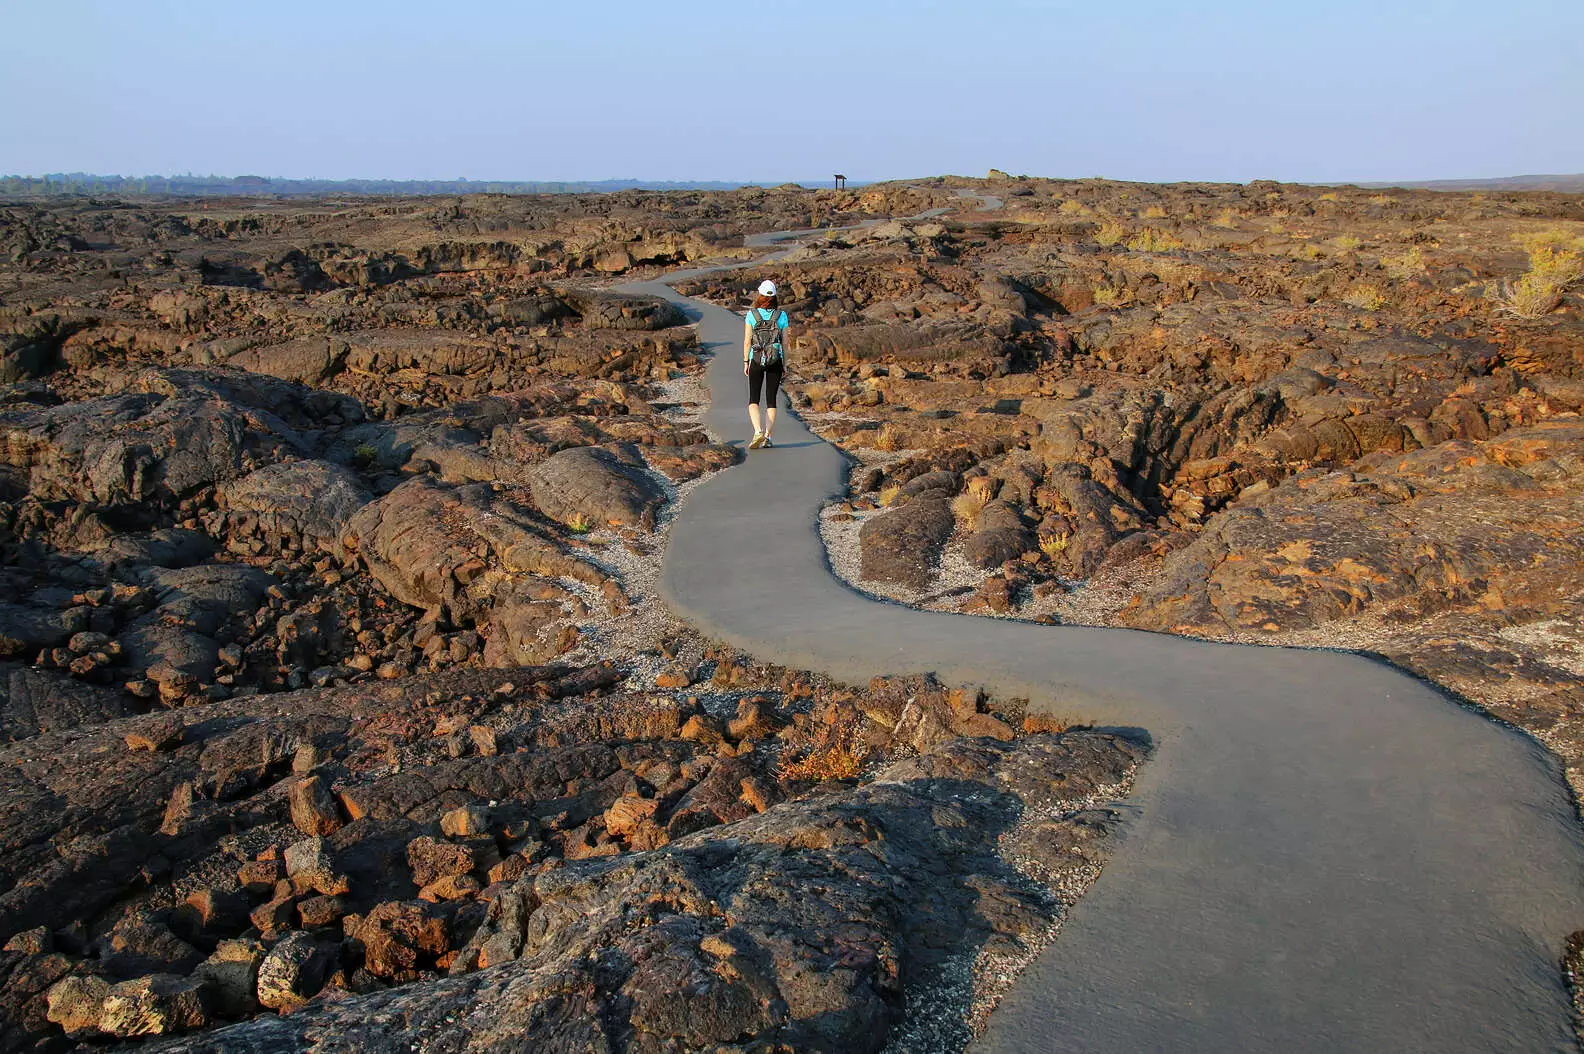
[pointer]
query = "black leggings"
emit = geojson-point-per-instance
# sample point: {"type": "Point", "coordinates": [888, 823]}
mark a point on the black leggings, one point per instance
{"type": "Point", "coordinates": [766, 377]}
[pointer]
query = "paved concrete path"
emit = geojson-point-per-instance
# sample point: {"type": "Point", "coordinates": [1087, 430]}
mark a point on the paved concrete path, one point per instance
{"type": "Point", "coordinates": [1328, 854]}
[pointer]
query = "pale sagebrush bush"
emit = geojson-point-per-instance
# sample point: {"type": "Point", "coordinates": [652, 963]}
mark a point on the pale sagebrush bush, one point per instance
{"type": "Point", "coordinates": [1539, 292]}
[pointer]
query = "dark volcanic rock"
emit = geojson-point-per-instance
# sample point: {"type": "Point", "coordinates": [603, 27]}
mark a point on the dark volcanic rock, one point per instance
{"type": "Point", "coordinates": [34, 701]}
{"type": "Point", "coordinates": [904, 545]}
{"type": "Point", "coordinates": [604, 310]}
{"type": "Point", "coordinates": [24, 630]}
{"type": "Point", "coordinates": [596, 486]}
{"type": "Point", "coordinates": [311, 500]}
{"type": "Point", "coordinates": [1473, 521]}
{"type": "Point", "coordinates": [802, 926]}
{"type": "Point", "coordinates": [139, 448]}
{"type": "Point", "coordinates": [171, 547]}
{"type": "Point", "coordinates": [456, 550]}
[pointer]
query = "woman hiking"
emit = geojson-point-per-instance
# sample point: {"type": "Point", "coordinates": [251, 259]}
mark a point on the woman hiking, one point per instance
{"type": "Point", "coordinates": [764, 360]}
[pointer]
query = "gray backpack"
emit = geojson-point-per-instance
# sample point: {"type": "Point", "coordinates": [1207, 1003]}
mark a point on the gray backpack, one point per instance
{"type": "Point", "coordinates": [765, 344]}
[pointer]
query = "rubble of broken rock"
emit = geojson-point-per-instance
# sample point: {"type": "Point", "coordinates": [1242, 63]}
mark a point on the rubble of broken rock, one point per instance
{"type": "Point", "coordinates": [534, 849]}
{"type": "Point", "coordinates": [1267, 413]}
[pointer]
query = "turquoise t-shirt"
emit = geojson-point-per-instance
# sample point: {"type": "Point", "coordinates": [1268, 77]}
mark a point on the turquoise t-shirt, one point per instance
{"type": "Point", "coordinates": [757, 313]}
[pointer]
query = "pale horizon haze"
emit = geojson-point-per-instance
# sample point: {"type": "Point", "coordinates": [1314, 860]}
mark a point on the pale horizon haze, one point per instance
{"type": "Point", "coordinates": [1230, 91]}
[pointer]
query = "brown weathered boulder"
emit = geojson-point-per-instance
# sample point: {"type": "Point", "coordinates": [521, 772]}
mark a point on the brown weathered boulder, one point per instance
{"type": "Point", "coordinates": [292, 972]}
{"type": "Point", "coordinates": [139, 448]}
{"type": "Point", "coordinates": [432, 859]}
{"type": "Point", "coordinates": [313, 807]}
{"type": "Point", "coordinates": [140, 944]}
{"type": "Point", "coordinates": [155, 1005]}
{"type": "Point", "coordinates": [307, 360]}
{"type": "Point", "coordinates": [1466, 521]}
{"type": "Point", "coordinates": [999, 535]}
{"type": "Point", "coordinates": [607, 310]}
{"type": "Point", "coordinates": [156, 732]}
{"type": "Point", "coordinates": [310, 867]}
{"type": "Point", "coordinates": [398, 937]}
{"type": "Point", "coordinates": [76, 1003]}
{"type": "Point", "coordinates": [452, 549]}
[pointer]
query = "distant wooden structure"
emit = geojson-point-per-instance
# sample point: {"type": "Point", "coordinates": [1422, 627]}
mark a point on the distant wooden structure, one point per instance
{"type": "Point", "coordinates": [841, 181]}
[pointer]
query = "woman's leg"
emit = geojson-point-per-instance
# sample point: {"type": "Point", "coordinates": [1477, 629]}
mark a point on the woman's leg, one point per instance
{"type": "Point", "coordinates": [772, 379]}
{"type": "Point", "coordinates": [756, 378]}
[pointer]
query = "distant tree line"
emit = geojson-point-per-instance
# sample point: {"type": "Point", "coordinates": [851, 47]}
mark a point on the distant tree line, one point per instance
{"type": "Point", "coordinates": [59, 184]}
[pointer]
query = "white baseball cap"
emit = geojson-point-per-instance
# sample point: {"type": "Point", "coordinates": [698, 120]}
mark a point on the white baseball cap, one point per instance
{"type": "Point", "coordinates": [767, 288]}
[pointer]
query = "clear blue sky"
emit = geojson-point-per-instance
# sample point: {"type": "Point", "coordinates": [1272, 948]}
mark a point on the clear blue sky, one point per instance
{"type": "Point", "coordinates": [592, 89]}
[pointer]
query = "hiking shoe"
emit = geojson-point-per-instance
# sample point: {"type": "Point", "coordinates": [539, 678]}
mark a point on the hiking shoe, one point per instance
{"type": "Point", "coordinates": [759, 440]}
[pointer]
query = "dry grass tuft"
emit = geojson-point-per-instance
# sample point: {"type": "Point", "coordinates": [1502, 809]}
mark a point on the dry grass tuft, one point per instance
{"type": "Point", "coordinates": [1150, 240]}
{"type": "Point", "coordinates": [838, 761]}
{"type": "Point", "coordinates": [1154, 212]}
{"type": "Point", "coordinates": [1053, 545]}
{"type": "Point", "coordinates": [1346, 242]}
{"type": "Point", "coordinates": [889, 493]}
{"type": "Point", "coordinates": [1406, 264]}
{"type": "Point", "coordinates": [1107, 296]}
{"type": "Point", "coordinates": [579, 523]}
{"type": "Point", "coordinates": [1110, 233]}
{"type": "Point", "coordinates": [1330, 195]}
{"type": "Point", "coordinates": [1527, 297]}
{"type": "Point", "coordinates": [1227, 220]}
{"type": "Point", "coordinates": [1074, 207]}
{"type": "Point", "coordinates": [1366, 296]}
{"type": "Point", "coordinates": [888, 438]}
{"type": "Point", "coordinates": [968, 505]}
{"type": "Point", "coordinates": [1554, 265]}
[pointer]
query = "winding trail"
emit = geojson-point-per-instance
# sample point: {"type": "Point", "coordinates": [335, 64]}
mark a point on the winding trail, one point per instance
{"type": "Point", "coordinates": [1328, 854]}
